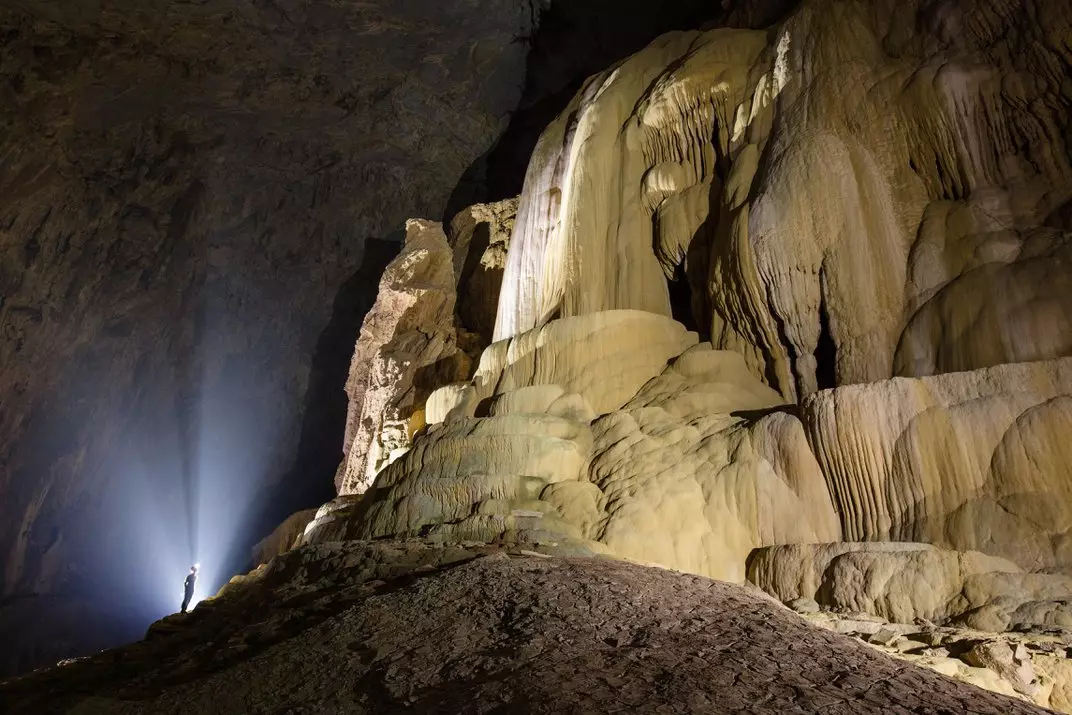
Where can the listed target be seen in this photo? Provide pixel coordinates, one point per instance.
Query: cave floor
(382, 628)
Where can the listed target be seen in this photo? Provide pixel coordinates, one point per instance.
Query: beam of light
(183, 489)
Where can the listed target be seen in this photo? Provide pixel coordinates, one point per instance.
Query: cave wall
(183, 192)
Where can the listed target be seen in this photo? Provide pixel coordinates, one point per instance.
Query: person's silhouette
(188, 587)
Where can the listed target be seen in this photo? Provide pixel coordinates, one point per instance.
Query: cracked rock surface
(390, 627)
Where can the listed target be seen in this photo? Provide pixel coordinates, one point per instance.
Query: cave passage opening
(681, 303)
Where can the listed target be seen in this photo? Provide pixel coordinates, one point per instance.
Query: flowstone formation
(782, 304)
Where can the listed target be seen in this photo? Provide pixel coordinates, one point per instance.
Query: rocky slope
(383, 628)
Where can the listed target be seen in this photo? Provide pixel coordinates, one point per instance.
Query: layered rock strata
(908, 582)
(971, 461)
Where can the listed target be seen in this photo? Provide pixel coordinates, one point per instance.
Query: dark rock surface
(385, 628)
(185, 189)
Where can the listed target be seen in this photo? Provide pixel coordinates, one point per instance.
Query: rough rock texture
(576, 353)
(388, 627)
(284, 537)
(331, 519)
(1034, 666)
(406, 348)
(973, 461)
(698, 468)
(866, 189)
(480, 237)
(185, 190)
(587, 237)
(476, 479)
(903, 582)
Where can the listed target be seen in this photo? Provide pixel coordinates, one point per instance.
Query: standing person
(188, 587)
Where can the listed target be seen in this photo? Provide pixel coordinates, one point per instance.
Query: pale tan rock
(1058, 670)
(458, 399)
(1057, 611)
(542, 399)
(331, 520)
(986, 289)
(842, 194)
(803, 605)
(407, 347)
(884, 637)
(1030, 665)
(604, 357)
(488, 462)
(583, 240)
(967, 461)
(780, 171)
(697, 470)
(283, 538)
(1000, 658)
(476, 479)
(904, 582)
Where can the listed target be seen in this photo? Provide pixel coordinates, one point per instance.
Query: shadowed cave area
(428, 331)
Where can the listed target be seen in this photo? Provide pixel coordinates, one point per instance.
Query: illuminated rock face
(406, 341)
(858, 193)
(420, 334)
(480, 239)
(973, 461)
(904, 582)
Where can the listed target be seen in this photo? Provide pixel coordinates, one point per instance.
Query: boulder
(1013, 667)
